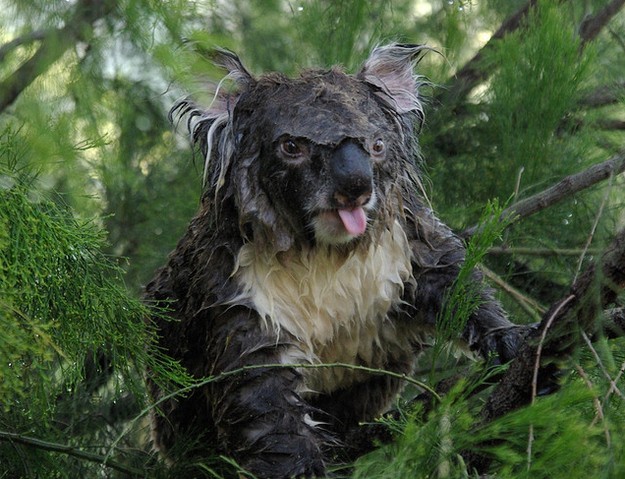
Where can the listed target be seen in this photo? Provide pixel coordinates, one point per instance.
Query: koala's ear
(236, 71)
(390, 69)
(202, 122)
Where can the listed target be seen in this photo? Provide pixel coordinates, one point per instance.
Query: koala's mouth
(354, 220)
(340, 225)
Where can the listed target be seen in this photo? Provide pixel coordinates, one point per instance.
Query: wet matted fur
(313, 244)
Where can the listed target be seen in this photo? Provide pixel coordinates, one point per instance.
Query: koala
(313, 244)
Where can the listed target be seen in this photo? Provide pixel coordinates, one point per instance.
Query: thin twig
(530, 442)
(539, 349)
(70, 451)
(530, 306)
(613, 386)
(593, 229)
(598, 407)
(528, 251)
(238, 371)
(517, 185)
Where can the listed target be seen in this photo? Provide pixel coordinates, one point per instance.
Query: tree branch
(611, 124)
(471, 73)
(592, 26)
(526, 251)
(559, 333)
(566, 187)
(603, 96)
(54, 44)
(529, 305)
(25, 39)
(70, 451)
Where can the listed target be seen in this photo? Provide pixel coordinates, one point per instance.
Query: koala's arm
(261, 419)
(438, 256)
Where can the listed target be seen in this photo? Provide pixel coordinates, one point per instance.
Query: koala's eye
(378, 147)
(291, 148)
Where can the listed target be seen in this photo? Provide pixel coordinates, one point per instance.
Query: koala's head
(315, 159)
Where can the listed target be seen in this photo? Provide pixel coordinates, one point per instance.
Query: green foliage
(525, 443)
(529, 443)
(463, 298)
(425, 447)
(532, 90)
(66, 317)
(516, 133)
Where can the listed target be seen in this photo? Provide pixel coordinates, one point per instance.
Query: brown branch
(560, 334)
(592, 26)
(611, 124)
(566, 187)
(527, 251)
(25, 39)
(55, 43)
(529, 305)
(471, 74)
(603, 96)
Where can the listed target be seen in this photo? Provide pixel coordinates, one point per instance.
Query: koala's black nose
(352, 172)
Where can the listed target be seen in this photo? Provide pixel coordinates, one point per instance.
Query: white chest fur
(335, 306)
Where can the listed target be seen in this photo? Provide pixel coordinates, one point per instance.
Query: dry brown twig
(600, 416)
(537, 363)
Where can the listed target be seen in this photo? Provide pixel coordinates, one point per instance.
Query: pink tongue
(355, 221)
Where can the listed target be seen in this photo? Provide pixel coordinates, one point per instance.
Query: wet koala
(313, 244)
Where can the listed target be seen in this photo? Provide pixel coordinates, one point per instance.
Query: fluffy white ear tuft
(391, 69)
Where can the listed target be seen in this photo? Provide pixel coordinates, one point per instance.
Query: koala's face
(325, 151)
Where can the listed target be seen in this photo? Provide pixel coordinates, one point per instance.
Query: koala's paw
(502, 345)
(285, 457)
